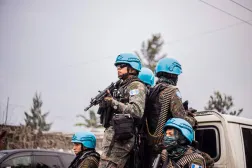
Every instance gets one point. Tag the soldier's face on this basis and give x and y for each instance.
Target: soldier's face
(121, 70)
(169, 132)
(76, 148)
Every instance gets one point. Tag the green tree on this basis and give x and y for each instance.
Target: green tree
(222, 104)
(92, 122)
(151, 51)
(37, 120)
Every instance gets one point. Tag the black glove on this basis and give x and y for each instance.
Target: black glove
(185, 105)
(189, 110)
(157, 148)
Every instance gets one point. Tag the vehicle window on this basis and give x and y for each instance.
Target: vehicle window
(18, 162)
(208, 141)
(46, 162)
(67, 159)
(247, 138)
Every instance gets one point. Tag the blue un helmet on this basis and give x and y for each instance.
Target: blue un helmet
(168, 65)
(183, 126)
(87, 139)
(146, 76)
(131, 59)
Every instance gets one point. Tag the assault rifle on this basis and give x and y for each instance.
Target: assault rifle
(98, 98)
(157, 162)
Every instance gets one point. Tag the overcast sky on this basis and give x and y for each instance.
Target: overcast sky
(66, 50)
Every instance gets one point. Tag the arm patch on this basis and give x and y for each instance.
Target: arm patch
(178, 94)
(195, 166)
(197, 163)
(134, 92)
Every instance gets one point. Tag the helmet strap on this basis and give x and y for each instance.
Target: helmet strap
(130, 73)
(82, 147)
(182, 139)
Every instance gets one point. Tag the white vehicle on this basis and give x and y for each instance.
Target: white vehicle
(227, 139)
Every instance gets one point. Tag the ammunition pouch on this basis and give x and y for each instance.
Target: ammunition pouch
(123, 125)
(105, 116)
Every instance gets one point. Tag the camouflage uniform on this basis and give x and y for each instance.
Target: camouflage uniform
(176, 106)
(135, 92)
(191, 158)
(89, 162)
(153, 112)
(86, 159)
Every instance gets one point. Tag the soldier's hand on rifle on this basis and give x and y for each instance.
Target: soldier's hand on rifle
(158, 147)
(108, 99)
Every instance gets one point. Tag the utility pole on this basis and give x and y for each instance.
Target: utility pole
(7, 108)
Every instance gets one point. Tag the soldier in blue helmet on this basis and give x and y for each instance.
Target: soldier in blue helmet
(84, 148)
(178, 135)
(147, 77)
(164, 102)
(126, 107)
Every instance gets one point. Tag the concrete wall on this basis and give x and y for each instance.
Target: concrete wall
(21, 137)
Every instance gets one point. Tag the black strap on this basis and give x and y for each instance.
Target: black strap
(136, 150)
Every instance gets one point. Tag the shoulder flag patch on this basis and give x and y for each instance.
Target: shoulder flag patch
(178, 94)
(134, 92)
(195, 166)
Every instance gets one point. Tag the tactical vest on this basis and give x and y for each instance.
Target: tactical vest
(124, 123)
(158, 112)
(84, 155)
(121, 94)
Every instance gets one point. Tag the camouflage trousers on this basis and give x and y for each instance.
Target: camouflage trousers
(120, 151)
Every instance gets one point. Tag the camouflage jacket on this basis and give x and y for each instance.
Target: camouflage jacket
(176, 109)
(176, 106)
(133, 102)
(86, 159)
(89, 162)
